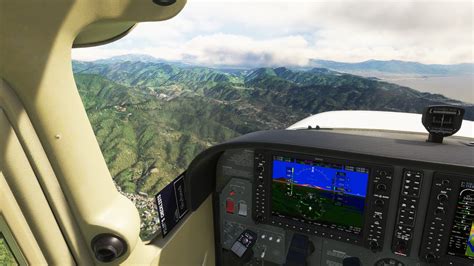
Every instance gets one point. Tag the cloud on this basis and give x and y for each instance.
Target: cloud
(268, 33)
(223, 49)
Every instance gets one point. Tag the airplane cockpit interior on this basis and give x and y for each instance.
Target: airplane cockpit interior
(341, 188)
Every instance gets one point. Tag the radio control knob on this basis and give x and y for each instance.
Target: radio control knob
(442, 197)
(379, 202)
(430, 257)
(401, 247)
(353, 261)
(381, 187)
(374, 245)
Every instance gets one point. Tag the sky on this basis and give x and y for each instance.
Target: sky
(292, 32)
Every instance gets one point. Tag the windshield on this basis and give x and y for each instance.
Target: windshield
(220, 69)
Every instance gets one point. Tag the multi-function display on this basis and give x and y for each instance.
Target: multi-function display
(461, 240)
(319, 193)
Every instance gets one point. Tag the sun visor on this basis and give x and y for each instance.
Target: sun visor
(117, 18)
(100, 33)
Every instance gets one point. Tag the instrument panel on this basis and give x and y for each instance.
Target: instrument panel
(287, 206)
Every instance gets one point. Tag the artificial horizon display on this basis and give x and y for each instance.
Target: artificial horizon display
(319, 193)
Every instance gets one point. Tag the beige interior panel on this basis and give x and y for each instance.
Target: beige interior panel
(32, 204)
(10, 212)
(30, 143)
(193, 242)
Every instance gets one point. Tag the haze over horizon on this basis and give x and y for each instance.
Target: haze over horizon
(143, 57)
(278, 33)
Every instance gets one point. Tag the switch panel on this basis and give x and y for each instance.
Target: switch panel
(407, 209)
(270, 243)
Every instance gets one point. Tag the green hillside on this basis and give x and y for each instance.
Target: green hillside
(152, 118)
(6, 255)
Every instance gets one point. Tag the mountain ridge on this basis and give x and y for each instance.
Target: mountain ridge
(394, 67)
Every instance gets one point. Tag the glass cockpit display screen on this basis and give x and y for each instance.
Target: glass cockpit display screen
(461, 239)
(319, 193)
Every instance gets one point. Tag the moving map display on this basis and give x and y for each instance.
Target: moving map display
(470, 243)
(319, 193)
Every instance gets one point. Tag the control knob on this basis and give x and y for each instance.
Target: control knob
(430, 257)
(381, 187)
(401, 247)
(379, 202)
(351, 261)
(445, 182)
(374, 245)
(442, 197)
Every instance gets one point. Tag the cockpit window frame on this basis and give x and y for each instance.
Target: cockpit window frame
(10, 242)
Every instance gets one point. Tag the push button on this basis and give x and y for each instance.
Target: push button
(229, 206)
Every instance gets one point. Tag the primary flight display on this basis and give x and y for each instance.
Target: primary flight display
(320, 193)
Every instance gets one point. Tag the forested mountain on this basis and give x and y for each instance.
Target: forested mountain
(6, 256)
(151, 118)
